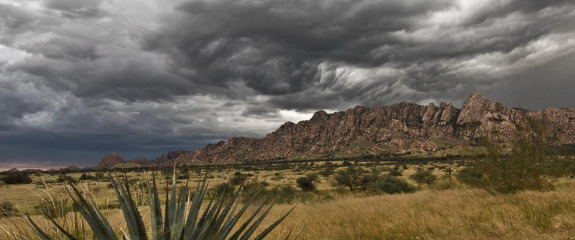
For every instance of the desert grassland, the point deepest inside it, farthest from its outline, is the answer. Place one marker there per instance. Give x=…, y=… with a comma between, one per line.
x=27, y=196
x=430, y=213
x=448, y=214
x=426, y=214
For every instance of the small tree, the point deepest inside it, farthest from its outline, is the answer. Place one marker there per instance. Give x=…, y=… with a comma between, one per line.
x=99, y=176
x=352, y=177
x=307, y=183
x=423, y=176
x=527, y=167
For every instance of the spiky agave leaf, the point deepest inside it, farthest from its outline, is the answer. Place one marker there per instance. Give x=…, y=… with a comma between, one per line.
x=132, y=215
x=156, y=211
x=194, y=210
x=274, y=225
x=216, y=221
x=37, y=229
x=91, y=214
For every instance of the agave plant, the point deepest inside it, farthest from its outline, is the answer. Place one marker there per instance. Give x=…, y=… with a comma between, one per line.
x=181, y=219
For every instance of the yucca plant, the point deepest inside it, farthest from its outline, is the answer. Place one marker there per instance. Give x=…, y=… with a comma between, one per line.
x=182, y=217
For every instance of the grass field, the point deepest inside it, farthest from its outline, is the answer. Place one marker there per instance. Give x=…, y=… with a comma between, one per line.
x=455, y=213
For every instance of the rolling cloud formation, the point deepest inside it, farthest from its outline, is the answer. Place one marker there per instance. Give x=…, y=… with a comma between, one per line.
x=80, y=78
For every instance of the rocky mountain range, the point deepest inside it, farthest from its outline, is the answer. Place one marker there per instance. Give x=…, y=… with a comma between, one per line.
x=401, y=128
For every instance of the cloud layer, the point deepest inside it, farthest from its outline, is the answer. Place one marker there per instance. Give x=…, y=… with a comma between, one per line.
x=145, y=77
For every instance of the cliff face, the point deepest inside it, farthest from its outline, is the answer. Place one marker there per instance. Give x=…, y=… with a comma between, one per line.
x=399, y=128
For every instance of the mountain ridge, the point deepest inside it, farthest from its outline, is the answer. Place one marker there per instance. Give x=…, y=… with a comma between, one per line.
x=399, y=128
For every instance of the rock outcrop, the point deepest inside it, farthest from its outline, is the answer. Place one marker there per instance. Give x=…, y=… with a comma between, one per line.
x=399, y=128
x=110, y=161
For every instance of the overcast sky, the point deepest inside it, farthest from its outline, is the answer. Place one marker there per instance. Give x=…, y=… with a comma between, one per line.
x=83, y=78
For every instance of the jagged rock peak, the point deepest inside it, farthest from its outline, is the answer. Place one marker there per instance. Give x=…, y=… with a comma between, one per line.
x=110, y=161
x=319, y=116
x=478, y=108
x=169, y=157
x=71, y=168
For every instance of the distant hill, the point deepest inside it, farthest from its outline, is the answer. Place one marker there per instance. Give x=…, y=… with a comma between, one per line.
x=401, y=128
x=113, y=160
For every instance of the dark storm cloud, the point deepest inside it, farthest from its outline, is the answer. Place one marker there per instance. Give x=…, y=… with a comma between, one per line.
x=76, y=8
x=152, y=76
x=276, y=48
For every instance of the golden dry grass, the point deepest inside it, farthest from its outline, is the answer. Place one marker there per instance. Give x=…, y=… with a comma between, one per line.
x=429, y=214
x=449, y=214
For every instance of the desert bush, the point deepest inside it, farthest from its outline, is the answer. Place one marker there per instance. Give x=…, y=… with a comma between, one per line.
x=277, y=176
x=326, y=172
x=86, y=176
x=423, y=176
x=284, y=194
x=17, y=178
x=255, y=190
x=307, y=183
x=184, y=174
x=390, y=184
x=395, y=172
x=526, y=167
x=238, y=179
x=99, y=175
x=471, y=176
x=7, y=209
x=352, y=178
x=66, y=178
x=223, y=187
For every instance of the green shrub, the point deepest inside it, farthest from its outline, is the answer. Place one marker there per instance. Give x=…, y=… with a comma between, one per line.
x=395, y=172
x=423, y=176
x=307, y=183
x=352, y=178
x=238, y=179
x=390, y=184
x=284, y=194
x=224, y=187
x=86, y=176
x=527, y=167
x=17, y=178
x=99, y=175
x=66, y=178
x=7, y=209
x=256, y=190
x=326, y=172
x=471, y=176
